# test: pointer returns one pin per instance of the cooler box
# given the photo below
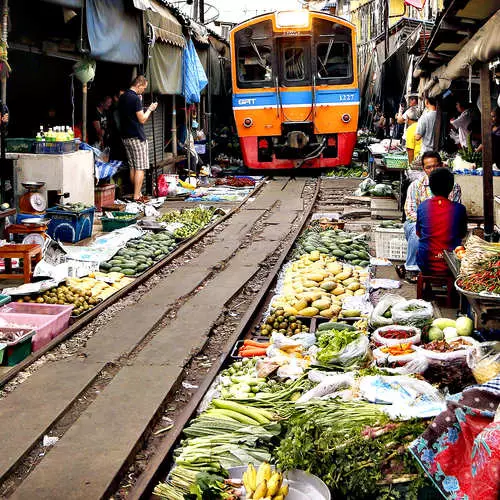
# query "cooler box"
(70, 226)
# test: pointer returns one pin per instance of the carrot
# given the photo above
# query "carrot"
(252, 353)
(249, 342)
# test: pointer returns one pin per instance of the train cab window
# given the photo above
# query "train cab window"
(334, 60)
(255, 64)
(294, 63)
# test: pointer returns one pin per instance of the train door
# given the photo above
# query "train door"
(294, 73)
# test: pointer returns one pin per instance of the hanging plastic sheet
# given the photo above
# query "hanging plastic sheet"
(122, 44)
(194, 77)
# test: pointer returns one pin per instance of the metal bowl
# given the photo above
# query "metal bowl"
(35, 221)
(33, 185)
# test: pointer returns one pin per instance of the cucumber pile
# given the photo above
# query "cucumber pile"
(334, 242)
(140, 254)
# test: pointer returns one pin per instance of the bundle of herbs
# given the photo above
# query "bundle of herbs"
(353, 447)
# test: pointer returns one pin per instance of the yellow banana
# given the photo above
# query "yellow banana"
(247, 485)
(264, 472)
(279, 497)
(273, 485)
(252, 477)
(261, 490)
(283, 490)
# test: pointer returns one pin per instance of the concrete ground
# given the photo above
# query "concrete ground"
(150, 358)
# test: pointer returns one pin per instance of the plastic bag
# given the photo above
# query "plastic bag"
(484, 361)
(379, 339)
(329, 385)
(406, 397)
(381, 190)
(366, 185)
(354, 355)
(436, 357)
(413, 312)
(417, 365)
(385, 304)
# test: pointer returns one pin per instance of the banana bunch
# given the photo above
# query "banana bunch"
(264, 484)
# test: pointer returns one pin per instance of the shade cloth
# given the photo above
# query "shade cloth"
(122, 44)
(194, 77)
(165, 69)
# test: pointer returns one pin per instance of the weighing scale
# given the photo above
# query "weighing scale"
(34, 230)
(32, 202)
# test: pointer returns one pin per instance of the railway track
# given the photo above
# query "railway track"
(122, 418)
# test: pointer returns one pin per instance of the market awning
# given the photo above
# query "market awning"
(121, 44)
(200, 33)
(482, 47)
(165, 26)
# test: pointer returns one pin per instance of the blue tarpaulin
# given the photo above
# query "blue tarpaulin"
(194, 78)
(114, 32)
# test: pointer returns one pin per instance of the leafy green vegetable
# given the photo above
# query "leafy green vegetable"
(353, 448)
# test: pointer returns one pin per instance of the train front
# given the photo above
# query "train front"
(295, 90)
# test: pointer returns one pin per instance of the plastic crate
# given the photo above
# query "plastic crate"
(396, 161)
(41, 323)
(104, 195)
(110, 224)
(390, 243)
(55, 148)
(19, 145)
(60, 313)
(70, 226)
(18, 350)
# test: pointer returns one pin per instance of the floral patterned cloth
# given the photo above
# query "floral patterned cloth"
(460, 450)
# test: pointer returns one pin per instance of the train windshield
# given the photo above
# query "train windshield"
(334, 53)
(334, 60)
(255, 63)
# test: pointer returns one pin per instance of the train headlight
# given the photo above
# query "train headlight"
(292, 19)
(247, 122)
(346, 117)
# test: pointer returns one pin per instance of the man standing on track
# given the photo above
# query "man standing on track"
(132, 119)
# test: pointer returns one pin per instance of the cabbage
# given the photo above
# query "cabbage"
(464, 326)
(435, 333)
(450, 333)
(442, 323)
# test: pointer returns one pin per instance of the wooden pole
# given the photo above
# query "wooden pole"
(84, 112)
(201, 7)
(485, 90)
(5, 19)
(386, 29)
(174, 127)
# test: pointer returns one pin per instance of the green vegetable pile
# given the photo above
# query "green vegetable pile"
(192, 220)
(140, 254)
(352, 447)
(351, 171)
(333, 342)
(335, 242)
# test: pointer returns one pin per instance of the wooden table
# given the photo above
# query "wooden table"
(25, 252)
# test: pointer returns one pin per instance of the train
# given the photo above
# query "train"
(295, 92)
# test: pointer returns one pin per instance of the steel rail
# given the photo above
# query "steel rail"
(157, 467)
(95, 311)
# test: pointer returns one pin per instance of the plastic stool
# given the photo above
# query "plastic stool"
(447, 280)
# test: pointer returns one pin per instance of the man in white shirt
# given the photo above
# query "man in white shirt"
(462, 123)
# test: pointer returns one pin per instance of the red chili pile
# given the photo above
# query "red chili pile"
(235, 182)
(488, 279)
(396, 334)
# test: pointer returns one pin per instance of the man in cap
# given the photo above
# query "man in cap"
(412, 107)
